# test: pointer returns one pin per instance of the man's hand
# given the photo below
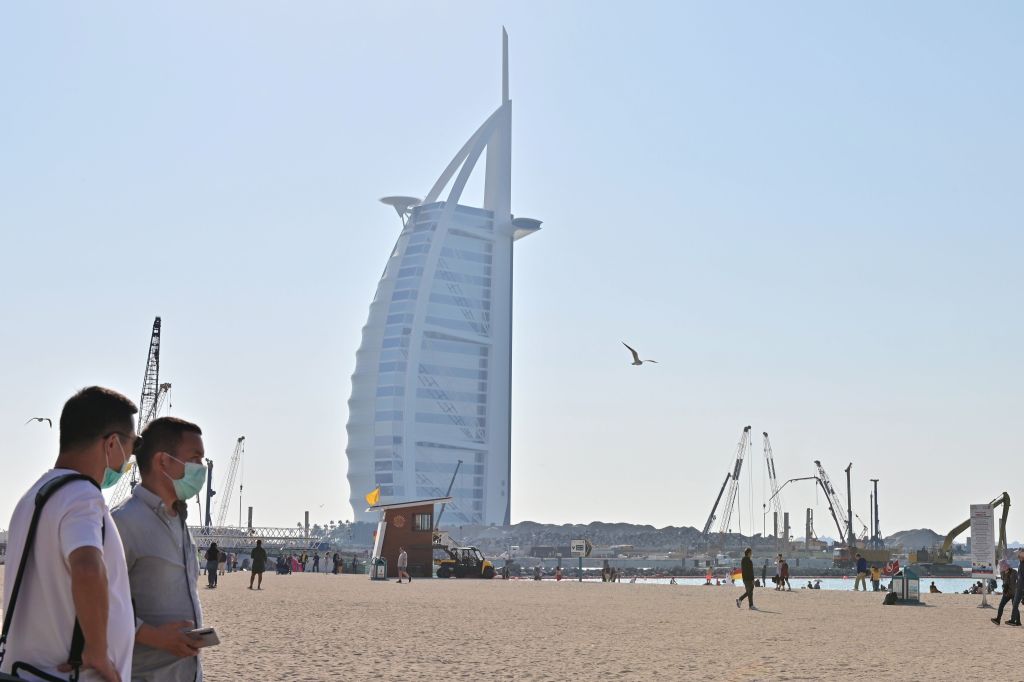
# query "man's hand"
(93, 659)
(170, 637)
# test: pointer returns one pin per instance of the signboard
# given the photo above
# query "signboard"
(580, 548)
(983, 541)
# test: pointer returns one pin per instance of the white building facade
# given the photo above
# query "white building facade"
(432, 384)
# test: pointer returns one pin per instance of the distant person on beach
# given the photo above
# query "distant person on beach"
(933, 589)
(337, 564)
(259, 565)
(355, 566)
(212, 558)
(403, 565)
(784, 575)
(156, 543)
(876, 578)
(672, 581)
(316, 562)
(537, 572)
(747, 572)
(76, 563)
(558, 573)
(1010, 578)
(764, 573)
(778, 573)
(222, 562)
(862, 574)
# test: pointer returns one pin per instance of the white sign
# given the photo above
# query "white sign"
(578, 547)
(983, 542)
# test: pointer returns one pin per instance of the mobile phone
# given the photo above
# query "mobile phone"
(207, 637)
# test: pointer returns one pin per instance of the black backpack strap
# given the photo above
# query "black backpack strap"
(45, 492)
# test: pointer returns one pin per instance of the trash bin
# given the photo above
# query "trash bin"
(906, 585)
(379, 569)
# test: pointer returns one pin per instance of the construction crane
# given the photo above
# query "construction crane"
(732, 481)
(714, 508)
(229, 481)
(835, 506)
(154, 394)
(830, 495)
(769, 458)
(944, 555)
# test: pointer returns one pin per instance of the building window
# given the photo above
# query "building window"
(423, 522)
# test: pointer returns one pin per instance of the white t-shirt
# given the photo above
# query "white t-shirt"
(44, 616)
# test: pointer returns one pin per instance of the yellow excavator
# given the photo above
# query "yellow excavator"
(944, 555)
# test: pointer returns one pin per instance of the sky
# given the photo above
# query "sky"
(808, 213)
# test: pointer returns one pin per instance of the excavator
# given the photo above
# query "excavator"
(944, 555)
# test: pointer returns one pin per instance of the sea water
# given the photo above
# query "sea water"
(947, 585)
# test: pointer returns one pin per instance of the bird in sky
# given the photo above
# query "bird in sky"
(636, 357)
(41, 419)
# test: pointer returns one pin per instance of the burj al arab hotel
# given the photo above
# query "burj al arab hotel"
(432, 385)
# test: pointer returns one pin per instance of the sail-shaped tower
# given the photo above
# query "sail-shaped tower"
(433, 378)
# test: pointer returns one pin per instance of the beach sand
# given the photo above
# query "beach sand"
(327, 627)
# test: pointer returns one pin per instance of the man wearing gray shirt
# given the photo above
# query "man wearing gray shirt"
(161, 554)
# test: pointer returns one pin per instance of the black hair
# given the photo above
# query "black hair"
(92, 413)
(162, 435)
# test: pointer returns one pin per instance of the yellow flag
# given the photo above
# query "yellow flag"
(374, 497)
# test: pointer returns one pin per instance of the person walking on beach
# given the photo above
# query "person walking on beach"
(316, 562)
(862, 574)
(1017, 593)
(403, 564)
(212, 558)
(747, 573)
(778, 573)
(77, 574)
(160, 550)
(1010, 578)
(259, 565)
(876, 578)
(784, 575)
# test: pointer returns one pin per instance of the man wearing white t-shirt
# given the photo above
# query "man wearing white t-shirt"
(76, 566)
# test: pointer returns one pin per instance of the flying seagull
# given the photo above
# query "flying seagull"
(636, 358)
(41, 419)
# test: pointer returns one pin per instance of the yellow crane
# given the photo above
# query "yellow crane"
(944, 555)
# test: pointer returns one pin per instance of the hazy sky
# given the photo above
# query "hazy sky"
(810, 214)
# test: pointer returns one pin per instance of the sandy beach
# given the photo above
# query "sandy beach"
(326, 627)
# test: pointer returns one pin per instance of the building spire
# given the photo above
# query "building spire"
(504, 65)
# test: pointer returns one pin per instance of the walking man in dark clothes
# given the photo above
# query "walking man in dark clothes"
(1010, 579)
(1017, 593)
(747, 569)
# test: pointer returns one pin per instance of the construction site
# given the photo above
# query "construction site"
(831, 536)
(216, 505)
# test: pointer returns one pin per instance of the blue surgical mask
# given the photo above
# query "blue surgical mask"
(112, 476)
(191, 482)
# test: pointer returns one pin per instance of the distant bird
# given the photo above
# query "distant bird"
(41, 419)
(636, 358)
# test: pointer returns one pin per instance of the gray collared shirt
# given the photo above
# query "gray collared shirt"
(163, 572)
